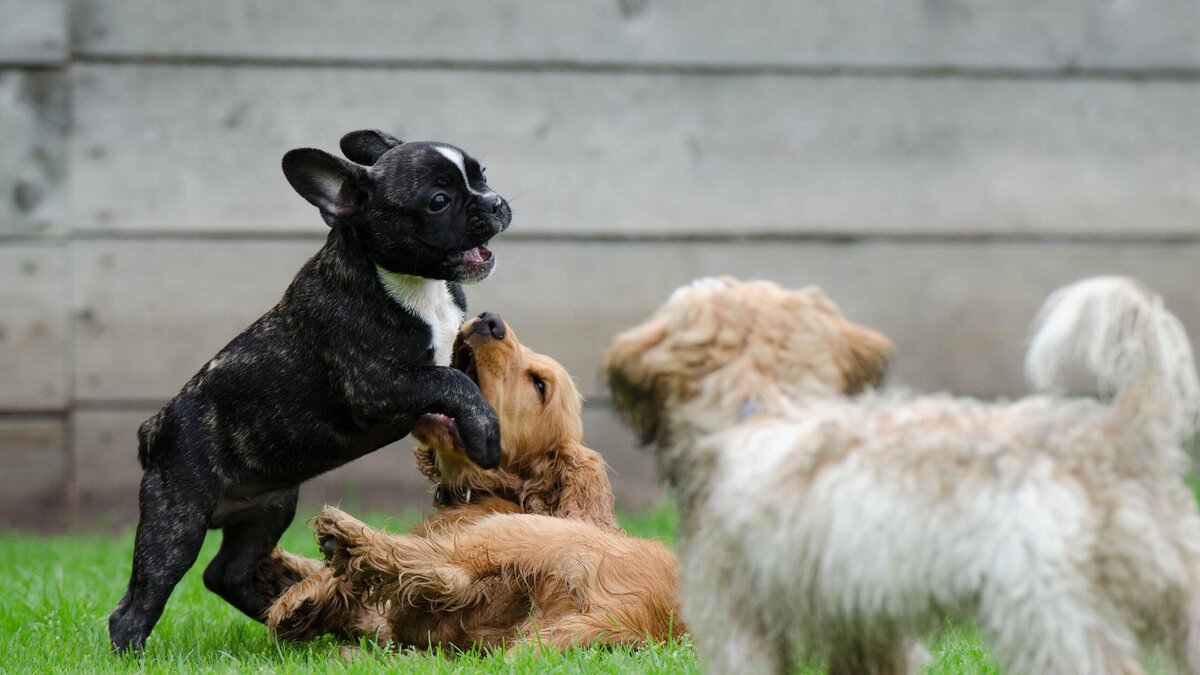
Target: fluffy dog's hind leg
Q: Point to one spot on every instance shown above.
(1185, 642)
(881, 657)
(1059, 635)
(745, 647)
(729, 635)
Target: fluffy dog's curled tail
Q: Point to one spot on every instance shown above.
(1117, 334)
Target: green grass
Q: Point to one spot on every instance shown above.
(56, 593)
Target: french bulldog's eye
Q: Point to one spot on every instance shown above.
(539, 384)
(439, 202)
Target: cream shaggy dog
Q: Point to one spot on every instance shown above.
(844, 527)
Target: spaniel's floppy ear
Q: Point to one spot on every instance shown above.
(575, 483)
(863, 358)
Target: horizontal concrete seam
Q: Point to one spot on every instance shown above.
(46, 241)
(675, 237)
(35, 415)
(139, 404)
(119, 404)
(34, 64)
(935, 71)
(199, 235)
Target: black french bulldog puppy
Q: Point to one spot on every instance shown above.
(354, 353)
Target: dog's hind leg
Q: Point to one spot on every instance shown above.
(1187, 644)
(406, 569)
(586, 629)
(882, 655)
(249, 536)
(320, 604)
(746, 646)
(729, 634)
(1179, 610)
(280, 570)
(171, 528)
(570, 632)
(1183, 629)
(1058, 635)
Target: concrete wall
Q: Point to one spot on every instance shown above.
(937, 166)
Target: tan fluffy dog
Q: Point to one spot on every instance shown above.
(845, 527)
(467, 576)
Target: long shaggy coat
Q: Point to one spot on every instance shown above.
(845, 527)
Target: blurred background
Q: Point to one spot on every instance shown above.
(938, 166)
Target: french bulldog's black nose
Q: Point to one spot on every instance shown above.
(490, 202)
(490, 323)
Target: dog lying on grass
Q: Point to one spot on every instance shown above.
(844, 527)
(529, 553)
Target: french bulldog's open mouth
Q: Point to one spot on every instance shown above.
(478, 255)
(475, 264)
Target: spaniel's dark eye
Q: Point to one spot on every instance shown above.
(439, 202)
(539, 384)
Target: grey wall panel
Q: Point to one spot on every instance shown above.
(33, 460)
(958, 312)
(34, 329)
(152, 313)
(33, 132)
(33, 32)
(1059, 34)
(198, 149)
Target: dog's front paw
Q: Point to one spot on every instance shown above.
(328, 548)
(481, 438)
(340, 536)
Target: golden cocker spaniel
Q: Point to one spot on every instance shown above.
(527, 554)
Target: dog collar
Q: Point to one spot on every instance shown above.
(749, 408)
(445, 495)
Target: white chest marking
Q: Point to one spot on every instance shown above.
(431, 302)
(456, 157)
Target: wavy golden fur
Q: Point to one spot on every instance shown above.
(530, 552)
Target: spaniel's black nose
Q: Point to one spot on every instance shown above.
(490, 323)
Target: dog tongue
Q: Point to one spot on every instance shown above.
(477, 255)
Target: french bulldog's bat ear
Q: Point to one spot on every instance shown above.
(337, 187)
(366, 146)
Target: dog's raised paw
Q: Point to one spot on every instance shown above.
(328, 548)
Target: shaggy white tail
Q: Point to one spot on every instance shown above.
(1118, 334)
